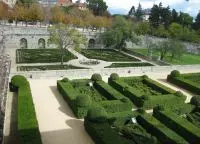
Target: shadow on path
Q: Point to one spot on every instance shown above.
(64, 107)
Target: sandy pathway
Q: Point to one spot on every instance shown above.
(56, 120)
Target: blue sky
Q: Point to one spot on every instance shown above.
(123, 6)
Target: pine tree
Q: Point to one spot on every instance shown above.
(139, 13)
(132, 11)
(197, 22)
(165, 16)
(154, 17)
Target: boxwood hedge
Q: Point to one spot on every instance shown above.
(180, 125)
(27, 125)
(185, 83)
(163, 133)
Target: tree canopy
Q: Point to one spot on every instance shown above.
(98, 7)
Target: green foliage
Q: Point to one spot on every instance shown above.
(106, 55)
(116, 65)
(114, 76)
(97, 115)
(139, 13)
(186, 81)
(96, 77)
(180, 125)
(83, 101)
(142, 28)
(102, 133)
(65, 80)
(27, 125)
(99, 7)
(137, 134)
(41, 56)
(194, 118)
(156, 128)
(195, 100)
(120, 32)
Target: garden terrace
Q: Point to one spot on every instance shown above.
(116, 65)
(107, 55)
(27, 124)
(190, 82)
(185, 59)
(144, 92)
(47, 67)
(42, 56)
(179, 124)
(81, 96)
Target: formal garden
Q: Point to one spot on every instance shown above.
(109, 116)
(42, 56)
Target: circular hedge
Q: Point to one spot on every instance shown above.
(175, 73)
(180, 94)
(19, 80)
(195, 100)
(83, 101)
(96, 77)
(159, 108)
(145, 77)
(114, 76)
(97, 114)
(65, 80)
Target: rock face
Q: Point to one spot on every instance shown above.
(4, 79)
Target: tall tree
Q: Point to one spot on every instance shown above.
(98, 7)
(120, 32)
(174, 16)
(197, 22)
(132, 11)
(185, 19)
(166, 16)
(65, 37)
(154, 17)
(139, 13)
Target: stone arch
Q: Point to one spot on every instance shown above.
(91, 43)
(23, 43)
(41, 43)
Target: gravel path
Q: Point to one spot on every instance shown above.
(57, 123)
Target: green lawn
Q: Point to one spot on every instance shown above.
(185, 59)
(116, 65)
(42, 56)
(47, 67)
(106, 55)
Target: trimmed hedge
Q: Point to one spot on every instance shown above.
(163, 133)
(27, 126)
(185, 83)
(102, 133)
(148, 102)
(97, 114)
(180, 125)
(70, 96)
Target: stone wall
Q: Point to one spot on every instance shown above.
(4, 79)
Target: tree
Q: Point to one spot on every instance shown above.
(142, 28)
(132, 11)
(185, 19)
(98, 7)
(175, 31)
(65, 37)
(197, 22)
(35, 13)
(174, 16)
(139, 13)
(120, 32)
(57, 15)
(154, 17)
(3, 11)
(165, 16)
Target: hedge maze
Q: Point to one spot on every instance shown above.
(109, 118)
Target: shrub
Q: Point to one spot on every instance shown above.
(180, 125)
(96, 77)
(156, 128)
(141, 110)
(83, 101)
(27, 125)
(145, 97)
(158, 108)
(145, 77)
(97, 114)
(65, 80)
(195, 100)
(175, 73)
(180, 94)
(114, 76)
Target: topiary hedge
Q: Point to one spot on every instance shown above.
(97, 114)
(27, 125)
(101, 133)
(96, 77)
(195, 100)
(114, 76)
(184, 83)
(175, 73)
(180, 125)
(156, 128)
